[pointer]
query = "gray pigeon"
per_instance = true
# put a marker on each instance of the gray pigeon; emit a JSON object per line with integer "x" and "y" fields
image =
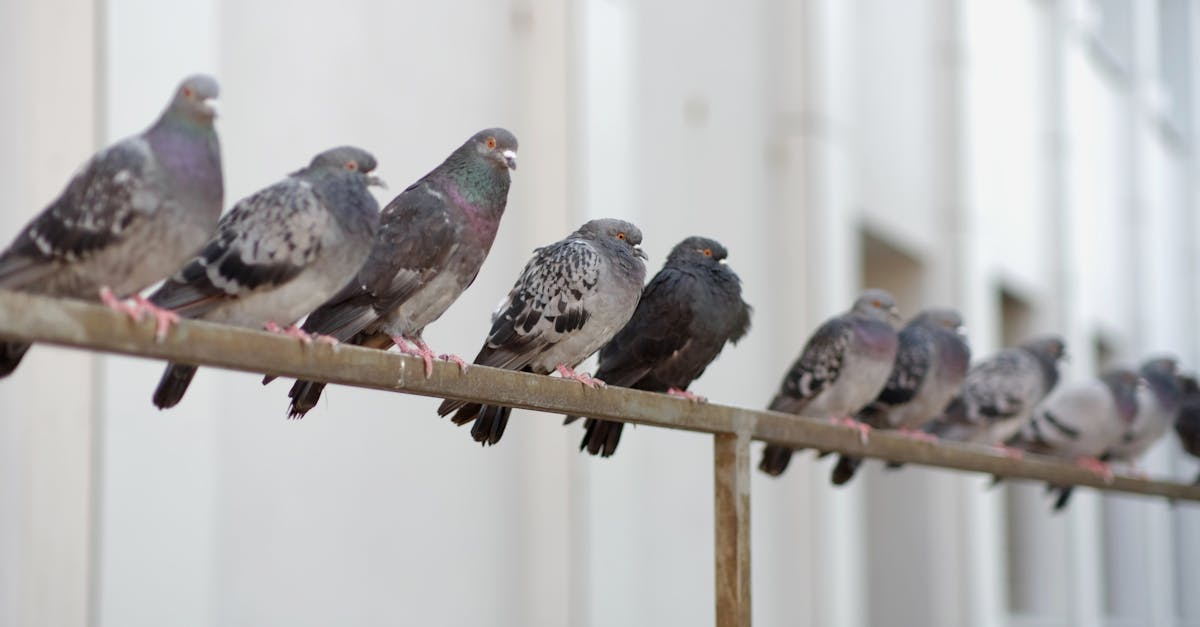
{"x": 278, "y": 254}
{"x": 131, "y": 215}
{"x": 844, "y": 366}
{"x": 1000, "y": 393}
{"x": 432, "y": 240}
{"x": 930, "y": 367}
{"x": 1187, "y": 424}
{"x": 1081, "y": 421}
{"x": 687, "y": 313}
{"x": 572, "y": 298}
{"x": 1158, "y": 404}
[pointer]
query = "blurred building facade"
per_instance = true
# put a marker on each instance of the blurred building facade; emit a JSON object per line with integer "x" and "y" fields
{"x": 1029, "y": 161}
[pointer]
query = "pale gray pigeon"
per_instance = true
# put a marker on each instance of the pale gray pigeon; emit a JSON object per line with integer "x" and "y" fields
{"x": 1000, "y": 393}
{"x": 1158, "y": 404}
{"x": 134, "y": 213}
{"x": 1187, "y": 424}
{"x": 432, "y": 241}
{"x": 843, "y": 367}
{"x": 687, "y": 313}
{"x": 277, "y": 254}
{"x": 573, "y": 296}
{"x": 931, "y": 365}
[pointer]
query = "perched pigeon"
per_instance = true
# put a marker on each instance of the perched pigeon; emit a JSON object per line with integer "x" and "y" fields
{"x": 686, "y": 314}
{"x": 1081, "y": 421}
{"x": 1000, "y": 393}
{"x": 278, "y": 254}
{"x": 132, "y": 215}
{"x": 572, "y": 297}
{"x": 1187, "y": 424}
{"x": 930, "y": 367}
{"x": 1158, "y": 404}
{"x": 844, "y": 366}
{"x": 432, "y": 240}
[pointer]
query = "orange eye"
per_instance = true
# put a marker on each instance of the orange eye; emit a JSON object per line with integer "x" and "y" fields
{"x": 491, "y": 142}
{"x": 621, "y": 236}
{"x": 877, "y": 303}
{"x": 708, "y": 252}
{"x": 187, "y": 92}
{"x": 352, "y": 166}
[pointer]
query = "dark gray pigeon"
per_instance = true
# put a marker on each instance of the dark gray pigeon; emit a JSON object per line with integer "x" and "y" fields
{"x": 432, "y": 241}
{"x": 1081, "y": 421}
{"x": 278, "y": 254}
{"x": 1187, "y": 424}
{"x": 1158, "y": 404}
{"x": 572, "y": 298}
{"x": 687, "y": 313}
{"x": 844, "y": 366}
{"x": 130, "y": 216}
{"x": 1000, "y": 393}
{"x": 931, "y": 365}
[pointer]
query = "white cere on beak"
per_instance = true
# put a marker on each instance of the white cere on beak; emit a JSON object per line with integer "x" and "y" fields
{"x": 510, "y": 158}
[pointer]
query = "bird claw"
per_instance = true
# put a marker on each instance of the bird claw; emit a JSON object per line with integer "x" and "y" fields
{"x": 1015, "y": 454}
{"x": 421, "y": 349}
{"x": 164, "y": 318}
{"x": 918, "y": 435}
{"x": 111, "y": 301}
{"x": 678, "y": 393}
{"x": 451, "y": 357}
{"x": 582, "y": 377}
{"x": 1097, "y": 467}
{"x": 864, "y": 430}
{"x": 290, "y": 331}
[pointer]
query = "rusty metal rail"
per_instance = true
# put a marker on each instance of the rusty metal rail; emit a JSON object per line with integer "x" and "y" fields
{"x": 81, "y": 325}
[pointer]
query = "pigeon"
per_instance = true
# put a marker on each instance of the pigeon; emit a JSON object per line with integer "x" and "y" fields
{"x": 277, "y": 254}
{"x": 1000, "y": 393}
{"x": 1187, "y": 423}
{"x": 843, "y": 367}
{"x": 432, "y": 241}
{"x": 1082, "y": 420}
{"x": 130, "y": 216}
{"x": 931, "y": 364}
{"x": 687, "y": 313}
{"x": 1158, "y": 404}
{"x": 573, "y": 296}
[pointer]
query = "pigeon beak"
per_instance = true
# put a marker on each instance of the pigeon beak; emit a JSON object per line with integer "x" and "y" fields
{"x": 376, "y": 181}
{"x": 510, "y": 159}
{"x": 961, "y": 330}
{"x": 894, "y": 312}
{"x": 639, "y": 253}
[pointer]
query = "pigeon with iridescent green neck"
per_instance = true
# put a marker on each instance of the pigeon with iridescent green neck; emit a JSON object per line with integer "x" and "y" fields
{"x": 432, "y": 241}
{"x": 130, "y": 216}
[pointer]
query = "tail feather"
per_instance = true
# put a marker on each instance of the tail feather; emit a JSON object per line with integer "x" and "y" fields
{"x": 11, "y": 354}
{"x": 1064, "y": 496}
{"x": 489, "y": 424}
{"x": 173, "y": 385}
{"x": 845, "y": 469}
{"x": 775, "y": 459}
{"x": 304, "y": 395}
{"x": 601, "y": 436}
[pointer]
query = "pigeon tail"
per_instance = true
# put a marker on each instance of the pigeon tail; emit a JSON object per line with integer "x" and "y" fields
{"x": 10, "y": 356}
{"x": 173, "y": 385}
{"x": 1064, "y": 496}
{"x": 844, "y": 471}
{"x": 601, "y": 436}
{"x": 304, "y": 395}
{"x": 775, "y": 459}
{"x": 490, "y": 421}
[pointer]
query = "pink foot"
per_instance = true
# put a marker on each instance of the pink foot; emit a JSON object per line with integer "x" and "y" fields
{"x": 290, "y": 331}
{"x": 163, "y": 318}
{"x": 695, "y": 398}
{"x": 918, "y": 435}
{"x": 451, "y": 357}
{"x": 325, "y": 339}
{"x": 582, "y": 377}
{"x": 1011, "y": 453}
{"x": 420, "y": 350}
{"x": 864, "y": 430}
{"x": 1097, "y": 467}
{"x": 112, "y": 302}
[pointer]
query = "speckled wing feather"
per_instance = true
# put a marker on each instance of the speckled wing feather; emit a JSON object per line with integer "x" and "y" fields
{"x": 250, "y": 251}
{"x": 998, "y": 388}
{"x": 117, "y": 187}
{"x": 818, "y": 366}
{"x": 416, "y": 238}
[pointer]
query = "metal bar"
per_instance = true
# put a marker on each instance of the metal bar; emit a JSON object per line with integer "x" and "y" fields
{"x": 731, "y": 505}
{"x": 71, "y": 323}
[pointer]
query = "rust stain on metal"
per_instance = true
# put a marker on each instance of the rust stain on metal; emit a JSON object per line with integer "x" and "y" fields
{"x": 731, "y": 492}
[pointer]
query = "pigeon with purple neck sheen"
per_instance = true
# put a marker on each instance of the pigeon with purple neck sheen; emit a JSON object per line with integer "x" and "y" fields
{"x": 1187, "y": 423}
{"x": 1158, "y": 404}
{"x": 687, "y": 313}
{"x": 432, "y": 241}
{"x": 1000, "y": 393}
{"x": 931, "y": 365}
{"x": 843, "y": 367}
{"x": 277, "y": 254}
{"x": 573, "y": 297}
{"x": 130, "y": 216}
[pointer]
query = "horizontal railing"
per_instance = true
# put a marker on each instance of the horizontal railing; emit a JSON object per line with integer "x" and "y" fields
{"x": 93, "y": 327}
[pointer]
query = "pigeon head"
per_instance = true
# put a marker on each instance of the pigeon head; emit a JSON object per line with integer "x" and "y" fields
{"x": 496, "y": 145}
{"x": 948, "y": 319}
{"x": 1162, "y": 375}
{"x": 697, "y": 248}
{"x": 191, "y": 99}
{"x": 878, "y": 304}
{"x": 348, "y": 159}
{"x": 1123, "y": 383}
{"x": 1050, "y": 348}
{"x": 614, "y": 233}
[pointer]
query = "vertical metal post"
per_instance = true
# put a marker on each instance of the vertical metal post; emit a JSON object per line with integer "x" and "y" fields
{"x": 731, "y": 484}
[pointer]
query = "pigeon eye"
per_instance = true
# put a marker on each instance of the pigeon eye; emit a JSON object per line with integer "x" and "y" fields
{"x": 187, "y": 92}
{"x": 491, "y": 142}
{"x": 621, "y": 236}
{"x": 877, "y": 303}
{"x": 352, "y": 166}
{"x": 707, "y": 252}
